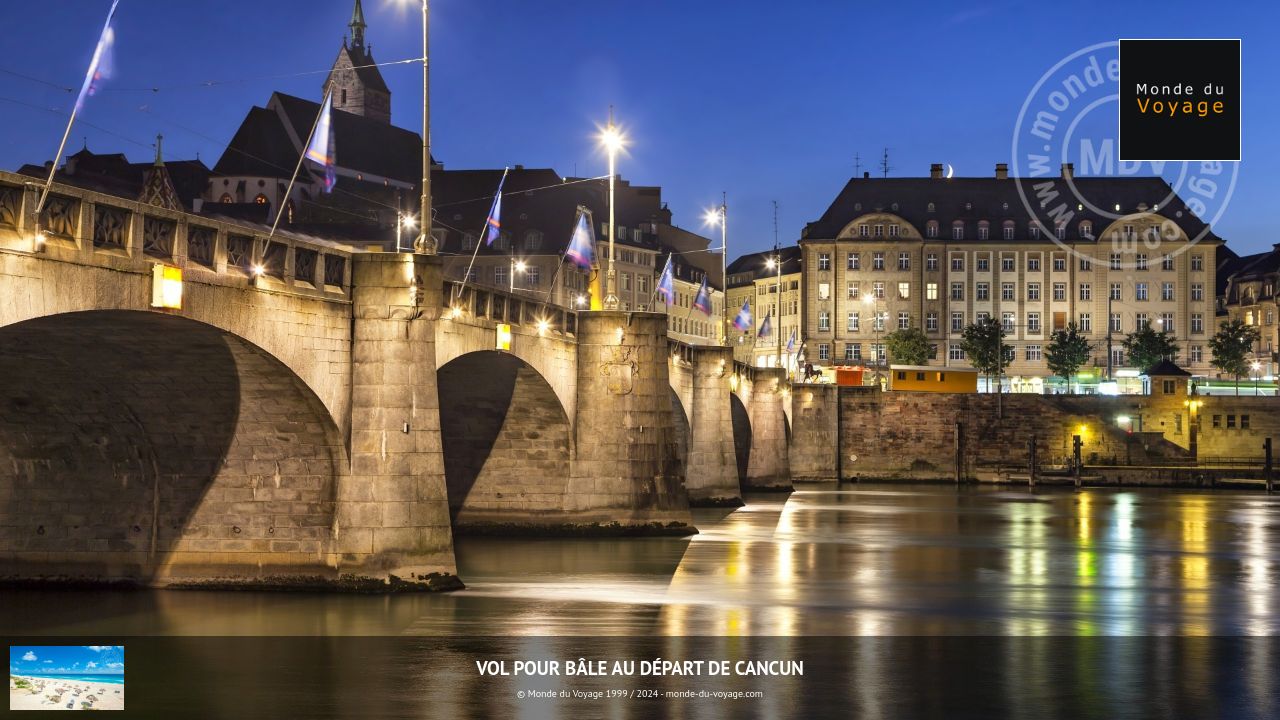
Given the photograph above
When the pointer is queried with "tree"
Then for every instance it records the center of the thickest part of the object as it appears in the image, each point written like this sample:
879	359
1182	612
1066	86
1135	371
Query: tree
1147	347
907	347
1066	352
983	344
1231	346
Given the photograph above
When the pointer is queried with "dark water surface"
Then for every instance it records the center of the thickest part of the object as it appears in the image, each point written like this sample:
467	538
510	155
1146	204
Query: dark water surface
1097	603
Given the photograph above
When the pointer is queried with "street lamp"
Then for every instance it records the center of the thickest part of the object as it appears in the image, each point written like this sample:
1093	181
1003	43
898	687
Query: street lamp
1257	367
870	299
720	216
517	266
422	244
407	222
775	263
613	140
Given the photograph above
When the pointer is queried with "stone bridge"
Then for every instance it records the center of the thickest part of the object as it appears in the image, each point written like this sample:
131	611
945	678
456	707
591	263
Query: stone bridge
314	414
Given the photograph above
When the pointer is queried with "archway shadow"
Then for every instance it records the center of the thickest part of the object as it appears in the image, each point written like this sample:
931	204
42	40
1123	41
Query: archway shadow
741	436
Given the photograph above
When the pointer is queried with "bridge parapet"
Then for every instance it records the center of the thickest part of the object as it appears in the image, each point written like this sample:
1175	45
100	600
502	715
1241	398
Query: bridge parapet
92	228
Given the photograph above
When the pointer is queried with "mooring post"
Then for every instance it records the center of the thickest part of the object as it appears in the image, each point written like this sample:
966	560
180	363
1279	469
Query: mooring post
1076	445
1266	466
959	445
1031	461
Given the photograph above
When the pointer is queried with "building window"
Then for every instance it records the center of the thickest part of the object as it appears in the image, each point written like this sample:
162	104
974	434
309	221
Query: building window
877	289
879	231
534	274
1007	230
1086	291
852	322
983	291
824	320
1115	322
1142	261
824	261
642	284
957	322
957	263
1061	231
931	229
984	230
1166	262
1033	231
904	260
1033	264
1197	292
824	351
1006	264
1059	291
853	261
864	231
1059	264
1006	291
1115	261
931	291
931	322
626	282
904	291
984	263
957	291
1166	291
904	320
853	351
878	321
1086	229
1117	357
1008	321
1033	322
1166	323
893	230
1033	353
1086	322
955	352
957	230
1140	291
1197	354
1169	386
500	275
1033	291
824	291
1231	421
931	262
1140	321
853	288
1116	290
1244	422
877	261
1197	263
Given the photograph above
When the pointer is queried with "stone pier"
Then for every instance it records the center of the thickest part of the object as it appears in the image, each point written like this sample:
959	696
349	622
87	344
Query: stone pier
768	467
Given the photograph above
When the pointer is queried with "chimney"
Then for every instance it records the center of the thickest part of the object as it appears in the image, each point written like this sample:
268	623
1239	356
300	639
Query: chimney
935	171
1068	170
866	174
1002	171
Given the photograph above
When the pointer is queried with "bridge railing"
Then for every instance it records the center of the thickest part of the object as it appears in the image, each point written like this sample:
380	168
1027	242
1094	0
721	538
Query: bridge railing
93	228
487	303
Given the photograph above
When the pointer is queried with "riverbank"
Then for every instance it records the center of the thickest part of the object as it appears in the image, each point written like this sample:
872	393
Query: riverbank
45	693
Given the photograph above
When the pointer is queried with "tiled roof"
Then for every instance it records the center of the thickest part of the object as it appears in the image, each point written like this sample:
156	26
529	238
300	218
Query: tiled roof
756	264
113	174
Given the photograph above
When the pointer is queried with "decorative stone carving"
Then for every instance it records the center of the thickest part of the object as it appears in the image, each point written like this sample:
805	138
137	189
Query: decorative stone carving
157	237
110	227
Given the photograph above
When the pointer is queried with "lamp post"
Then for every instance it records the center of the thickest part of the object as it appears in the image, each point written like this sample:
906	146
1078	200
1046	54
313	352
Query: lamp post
406	222
870	299
516	266
426	137
1257	367
720	216
611	138
775	263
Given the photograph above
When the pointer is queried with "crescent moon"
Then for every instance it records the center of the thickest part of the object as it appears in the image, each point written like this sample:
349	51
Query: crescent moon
950	171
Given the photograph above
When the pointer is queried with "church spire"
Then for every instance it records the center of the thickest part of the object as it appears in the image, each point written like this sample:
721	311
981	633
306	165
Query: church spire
357	26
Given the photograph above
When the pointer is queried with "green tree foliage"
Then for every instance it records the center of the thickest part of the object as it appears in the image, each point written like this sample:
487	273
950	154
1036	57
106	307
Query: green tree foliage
1231	346
907	347
1067	351
1146	347
983	344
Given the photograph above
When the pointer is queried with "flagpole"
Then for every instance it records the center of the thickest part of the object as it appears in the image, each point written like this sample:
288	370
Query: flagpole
301	156
467	275
75	110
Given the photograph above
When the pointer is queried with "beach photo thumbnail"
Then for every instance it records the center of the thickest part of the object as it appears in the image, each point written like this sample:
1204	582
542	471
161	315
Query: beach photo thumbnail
66	677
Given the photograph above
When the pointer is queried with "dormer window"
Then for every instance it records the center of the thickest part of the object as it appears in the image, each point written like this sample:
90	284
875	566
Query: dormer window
957	230
931	227
1086	229
1007	230
984	230
931	207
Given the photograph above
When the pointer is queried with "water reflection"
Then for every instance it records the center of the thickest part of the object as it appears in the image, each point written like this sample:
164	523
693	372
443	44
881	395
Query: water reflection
849	560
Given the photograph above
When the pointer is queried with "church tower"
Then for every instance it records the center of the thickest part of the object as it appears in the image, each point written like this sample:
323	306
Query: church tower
357	84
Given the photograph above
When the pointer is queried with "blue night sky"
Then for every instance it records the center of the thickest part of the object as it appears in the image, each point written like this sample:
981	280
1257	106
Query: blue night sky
763	100
67	659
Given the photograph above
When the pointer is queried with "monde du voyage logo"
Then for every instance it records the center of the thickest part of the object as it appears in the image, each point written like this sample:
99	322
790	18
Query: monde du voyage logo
1180	100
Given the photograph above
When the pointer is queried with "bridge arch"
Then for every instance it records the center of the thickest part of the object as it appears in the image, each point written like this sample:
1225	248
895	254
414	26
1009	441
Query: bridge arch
507	440
741	435
149	447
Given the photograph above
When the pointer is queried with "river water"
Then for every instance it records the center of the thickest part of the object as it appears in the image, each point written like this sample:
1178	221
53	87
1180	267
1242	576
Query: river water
1008	589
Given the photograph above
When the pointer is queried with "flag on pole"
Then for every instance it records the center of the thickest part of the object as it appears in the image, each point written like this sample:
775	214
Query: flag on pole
766	327
791	341
702	300
582	247
320	149
493	225
100	65
666	284
743	321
